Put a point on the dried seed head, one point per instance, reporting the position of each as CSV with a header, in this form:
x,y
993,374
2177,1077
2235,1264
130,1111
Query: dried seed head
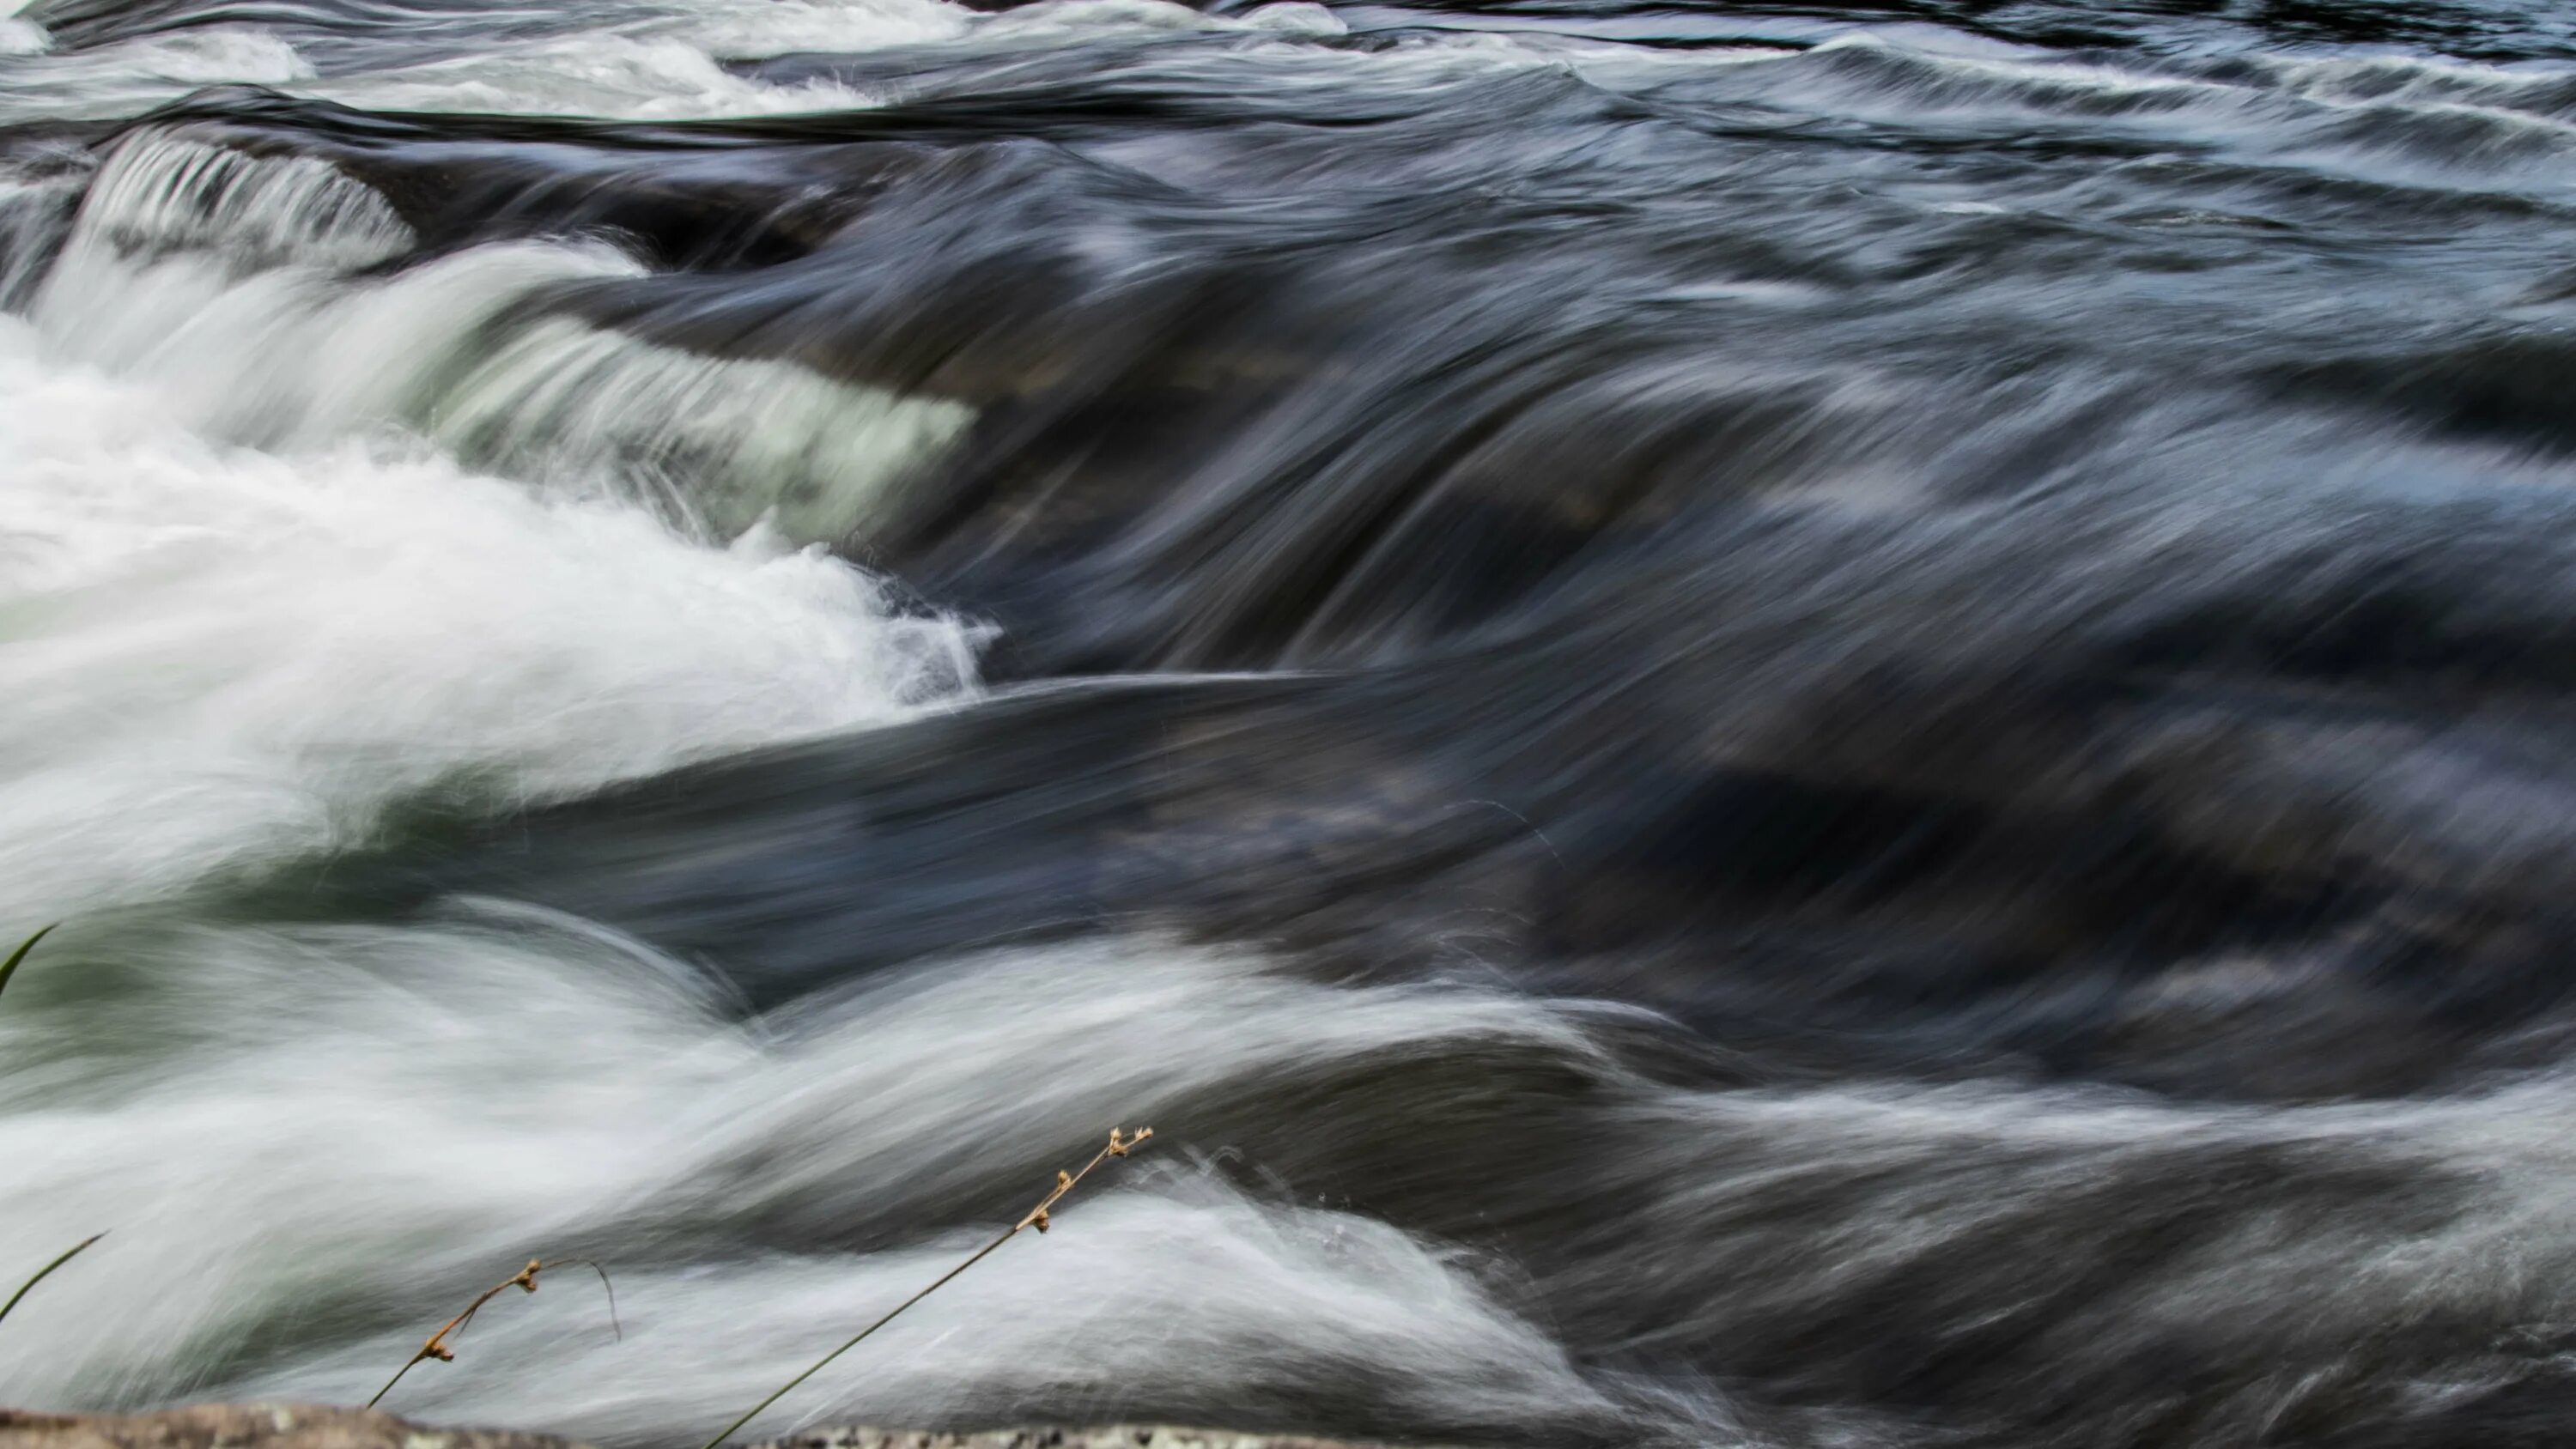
x,y
525,1280
1038,1220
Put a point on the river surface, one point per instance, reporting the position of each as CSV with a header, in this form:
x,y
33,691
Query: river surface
x,y
1805,726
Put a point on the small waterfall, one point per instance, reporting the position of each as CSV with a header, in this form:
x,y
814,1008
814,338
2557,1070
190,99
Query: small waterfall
x,y
164,191
229,281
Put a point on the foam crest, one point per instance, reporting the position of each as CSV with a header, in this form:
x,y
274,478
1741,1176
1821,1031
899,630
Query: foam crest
x,y
42,82
630,76
162,191
220,655
352,1126
461,351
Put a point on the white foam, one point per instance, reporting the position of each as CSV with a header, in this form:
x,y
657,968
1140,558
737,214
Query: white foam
x,y
623,76
162,191
133,76
218,279
374,1121
667,59
310,1143
2410,79
777,27
658,61
23,37
215,654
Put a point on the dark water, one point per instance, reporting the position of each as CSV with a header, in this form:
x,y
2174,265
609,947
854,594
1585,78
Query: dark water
x,y
1796,725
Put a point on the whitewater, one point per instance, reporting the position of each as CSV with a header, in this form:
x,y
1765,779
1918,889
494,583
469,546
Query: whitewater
x,y
1791,725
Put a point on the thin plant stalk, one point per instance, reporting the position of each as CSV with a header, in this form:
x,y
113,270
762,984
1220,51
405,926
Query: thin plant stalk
x,y
9,967
75,1251
1037,1218
525,1280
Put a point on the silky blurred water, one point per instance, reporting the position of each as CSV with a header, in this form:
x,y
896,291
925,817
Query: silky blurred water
x,y
1797,725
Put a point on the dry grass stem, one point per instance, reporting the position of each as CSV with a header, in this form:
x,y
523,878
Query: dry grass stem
x,y
525,1280
76,1249
8,969
1119,1146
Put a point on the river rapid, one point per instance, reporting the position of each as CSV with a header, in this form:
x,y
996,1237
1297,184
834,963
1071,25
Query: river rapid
x,y
1805,725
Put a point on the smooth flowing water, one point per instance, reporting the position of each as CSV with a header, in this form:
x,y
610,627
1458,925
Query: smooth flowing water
x,y
1790,725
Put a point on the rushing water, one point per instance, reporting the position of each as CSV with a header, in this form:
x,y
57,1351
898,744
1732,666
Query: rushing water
x,y
1819,724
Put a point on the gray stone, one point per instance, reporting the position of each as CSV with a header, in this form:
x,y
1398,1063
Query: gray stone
x,y
312,1426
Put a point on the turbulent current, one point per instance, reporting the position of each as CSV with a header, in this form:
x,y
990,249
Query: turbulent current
x,y
1796,725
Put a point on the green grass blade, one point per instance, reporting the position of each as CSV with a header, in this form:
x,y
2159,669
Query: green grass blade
x,y
46,1271
8,969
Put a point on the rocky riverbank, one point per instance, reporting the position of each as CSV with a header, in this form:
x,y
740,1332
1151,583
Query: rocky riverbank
x,y
312,1426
